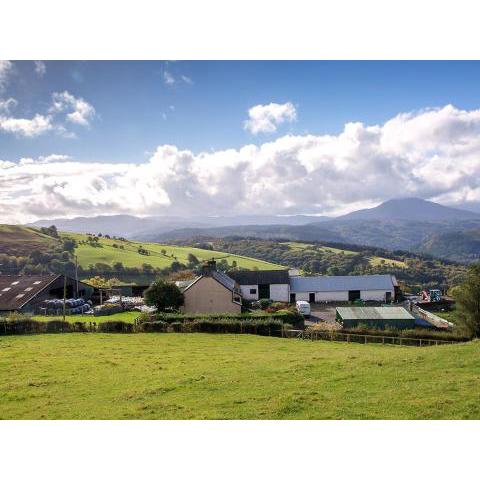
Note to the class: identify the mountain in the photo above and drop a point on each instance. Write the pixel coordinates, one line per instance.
(413, 209)
(148, 227)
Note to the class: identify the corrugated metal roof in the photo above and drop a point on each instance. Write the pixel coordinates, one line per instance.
(371, 313)
(17, 290)
(342, 283)
(260, 277)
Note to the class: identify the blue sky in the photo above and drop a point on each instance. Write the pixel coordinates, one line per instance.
(134, 104)
(224, 138)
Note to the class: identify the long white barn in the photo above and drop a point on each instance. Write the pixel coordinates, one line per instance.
(380, 288)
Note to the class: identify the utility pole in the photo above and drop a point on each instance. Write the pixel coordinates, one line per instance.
(76, 276)
(64, 294)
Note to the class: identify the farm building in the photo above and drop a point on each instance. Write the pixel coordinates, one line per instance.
(375, 317)
(24, 293)
(380, 288)
(212, 292)
(272, 284)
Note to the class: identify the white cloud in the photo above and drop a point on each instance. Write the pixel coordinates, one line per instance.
(187, 80)
(27, 127)
(81, 112)
(432, 154)
(40, 68)
(7, 105)
(65, 107)
(6, 68)
(266, 118)
(168, 78)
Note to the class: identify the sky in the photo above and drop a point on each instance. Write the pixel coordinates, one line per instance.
(225, 138)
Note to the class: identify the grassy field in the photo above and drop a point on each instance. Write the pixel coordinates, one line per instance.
(123, 316)
(129, 256)
(374, 260)
(201, 376)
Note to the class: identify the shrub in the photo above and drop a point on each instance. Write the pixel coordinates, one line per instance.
(115, 326)
(79, 327)
(21, 326)
(149, 327)
(58, 326)
(176, 326)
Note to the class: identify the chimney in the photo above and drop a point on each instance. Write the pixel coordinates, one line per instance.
(209, 267)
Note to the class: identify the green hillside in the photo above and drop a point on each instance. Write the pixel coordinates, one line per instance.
(159, 256)
(19, 241)
(374, 260)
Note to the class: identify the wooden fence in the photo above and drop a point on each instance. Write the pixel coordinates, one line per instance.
(362, 338)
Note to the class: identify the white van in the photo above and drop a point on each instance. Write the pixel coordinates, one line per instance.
(303, 308)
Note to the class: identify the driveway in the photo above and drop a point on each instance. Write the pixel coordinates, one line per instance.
(321, 313)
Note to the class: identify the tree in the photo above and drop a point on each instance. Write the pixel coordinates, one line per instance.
(192, 259)
(468, 300)
(163, 295)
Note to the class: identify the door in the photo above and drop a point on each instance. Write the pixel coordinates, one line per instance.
(353, 295)
(311, 297)
(264, 291)
(293, 298)
(388, 297)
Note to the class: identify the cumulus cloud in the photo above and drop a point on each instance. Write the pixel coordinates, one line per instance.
(266, 118)
(6, 68)
(65, 107)
(26, 127)
(432, 154)
(79, 111)
(168, 78)
(40, 68)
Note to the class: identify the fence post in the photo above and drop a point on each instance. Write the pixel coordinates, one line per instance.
(420, 342)
(365, 339)
(401, 340)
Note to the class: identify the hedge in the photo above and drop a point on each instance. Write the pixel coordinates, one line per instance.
(115, 326)
(282, 316)
(157, 326)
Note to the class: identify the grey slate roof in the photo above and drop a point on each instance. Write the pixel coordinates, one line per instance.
(342, 283)
(224, 279)
(260, 277)
(18, 290)
(371, 313)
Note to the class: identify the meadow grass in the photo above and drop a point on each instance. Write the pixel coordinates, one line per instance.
(129, 256)
(128, 317)
(202, 376)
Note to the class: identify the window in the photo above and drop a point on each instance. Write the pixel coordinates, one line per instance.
(6, 289)
(28, 289)
(37, 282)
(15, 283)
(20, 295)
(253, 291)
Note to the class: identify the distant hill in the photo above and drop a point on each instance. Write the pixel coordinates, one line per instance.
(143, 228)
(412, 209)
(461, 246)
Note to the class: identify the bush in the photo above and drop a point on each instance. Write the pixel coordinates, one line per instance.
(79, 327)
(21, 326)
(285, 316)
(176, 326)
(58, 326)
(115, 326)
(149, 327)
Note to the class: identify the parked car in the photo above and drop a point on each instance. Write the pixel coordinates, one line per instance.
(303, 308)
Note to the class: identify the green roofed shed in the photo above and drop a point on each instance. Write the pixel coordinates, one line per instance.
(375, 317)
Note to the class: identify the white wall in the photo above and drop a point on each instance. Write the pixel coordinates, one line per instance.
(280, 292)
(342, 296)
(378, 295)
(245, 289)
